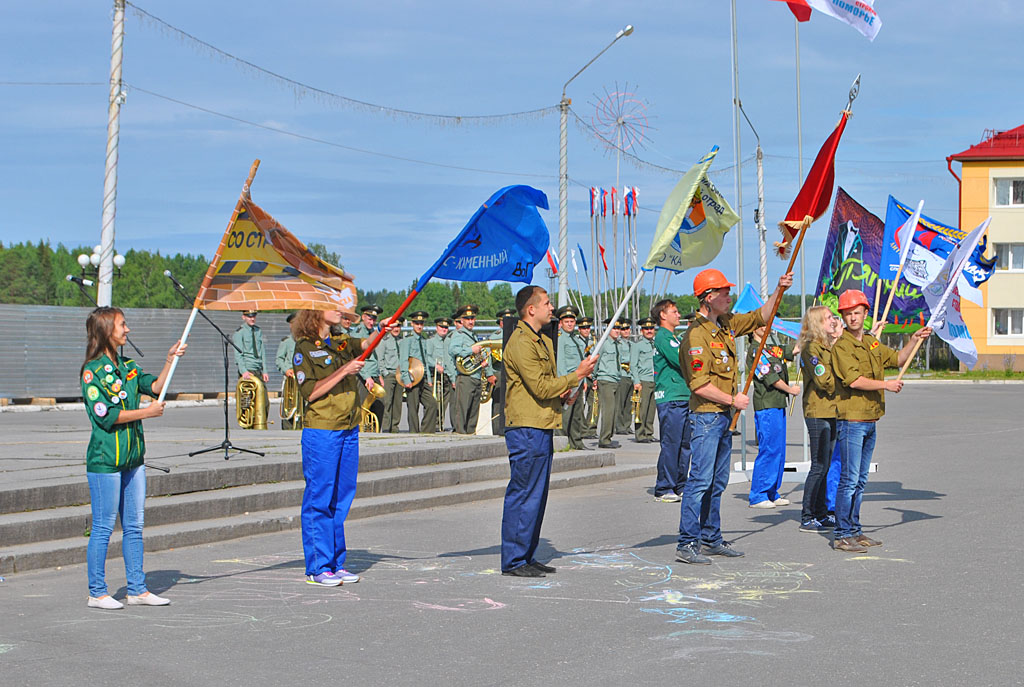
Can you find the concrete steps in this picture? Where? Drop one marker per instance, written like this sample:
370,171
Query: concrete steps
200,504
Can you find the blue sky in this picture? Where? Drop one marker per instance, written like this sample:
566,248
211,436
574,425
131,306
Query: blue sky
937,76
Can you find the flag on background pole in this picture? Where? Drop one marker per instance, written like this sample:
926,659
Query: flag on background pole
260,265
593,201
816,192
860,14
551,261
748,301
693,222
605,262
583,258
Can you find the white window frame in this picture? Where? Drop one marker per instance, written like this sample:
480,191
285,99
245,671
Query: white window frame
1012,249
1009,314
1013,181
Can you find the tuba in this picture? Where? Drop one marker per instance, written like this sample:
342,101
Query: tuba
291,401
471,364
368,422
485,393
251,403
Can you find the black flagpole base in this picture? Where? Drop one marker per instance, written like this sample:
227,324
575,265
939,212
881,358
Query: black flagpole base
226,445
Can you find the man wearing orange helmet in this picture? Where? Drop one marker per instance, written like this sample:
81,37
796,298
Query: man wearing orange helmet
858,364
707,358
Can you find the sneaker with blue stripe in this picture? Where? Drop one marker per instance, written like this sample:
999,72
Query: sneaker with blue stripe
324,579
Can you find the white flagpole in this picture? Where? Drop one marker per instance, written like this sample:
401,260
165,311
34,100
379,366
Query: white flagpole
174,362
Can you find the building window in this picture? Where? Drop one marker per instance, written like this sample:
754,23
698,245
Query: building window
1009,256
1009,192
1008,321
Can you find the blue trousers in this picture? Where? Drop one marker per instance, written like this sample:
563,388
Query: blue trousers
330,463
856,446
529,457
700,517
674,459
112,494
832,479
770,463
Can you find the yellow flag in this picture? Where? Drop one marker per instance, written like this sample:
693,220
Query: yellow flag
260,265
693,222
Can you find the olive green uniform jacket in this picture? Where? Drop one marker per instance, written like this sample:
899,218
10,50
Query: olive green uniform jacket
534,387
865,358
819,383
316,360
708,355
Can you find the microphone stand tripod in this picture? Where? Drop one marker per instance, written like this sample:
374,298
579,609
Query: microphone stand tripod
225,445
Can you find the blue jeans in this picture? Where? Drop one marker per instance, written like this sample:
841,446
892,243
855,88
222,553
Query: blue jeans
822,433
112,494
330,463
856,444
529,456
674,459
832,479
700,517
770,463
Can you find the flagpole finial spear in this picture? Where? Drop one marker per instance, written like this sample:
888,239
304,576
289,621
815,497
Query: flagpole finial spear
854,92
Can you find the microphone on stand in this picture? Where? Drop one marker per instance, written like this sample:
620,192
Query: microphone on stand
79,280
167,273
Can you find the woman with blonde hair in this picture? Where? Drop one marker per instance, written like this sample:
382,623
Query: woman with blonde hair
820,329
112,386
326,367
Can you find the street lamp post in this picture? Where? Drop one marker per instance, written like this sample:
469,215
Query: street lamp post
563,175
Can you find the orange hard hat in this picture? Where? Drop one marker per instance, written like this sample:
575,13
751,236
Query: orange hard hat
709,279
851,299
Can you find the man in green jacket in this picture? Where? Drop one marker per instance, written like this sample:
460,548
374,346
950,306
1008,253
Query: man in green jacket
533,411
672,396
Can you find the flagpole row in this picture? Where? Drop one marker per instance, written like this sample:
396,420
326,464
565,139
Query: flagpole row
804,225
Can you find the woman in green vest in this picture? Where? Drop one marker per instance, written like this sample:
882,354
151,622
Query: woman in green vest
111,387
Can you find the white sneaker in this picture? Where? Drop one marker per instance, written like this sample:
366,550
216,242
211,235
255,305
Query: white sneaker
147,599
781,501
669,498
105,602
763,504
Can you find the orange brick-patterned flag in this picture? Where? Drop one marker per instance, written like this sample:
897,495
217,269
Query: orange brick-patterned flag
260,265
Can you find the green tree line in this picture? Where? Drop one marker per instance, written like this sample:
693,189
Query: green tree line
35,274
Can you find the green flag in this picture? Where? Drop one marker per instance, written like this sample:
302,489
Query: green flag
693,222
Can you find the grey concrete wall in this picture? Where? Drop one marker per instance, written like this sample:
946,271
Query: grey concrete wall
42,348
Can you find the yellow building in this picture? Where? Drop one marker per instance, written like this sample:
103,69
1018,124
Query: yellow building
992,184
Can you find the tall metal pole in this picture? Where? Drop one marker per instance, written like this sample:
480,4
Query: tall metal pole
762,239
104,291
563,173
800,168
740,353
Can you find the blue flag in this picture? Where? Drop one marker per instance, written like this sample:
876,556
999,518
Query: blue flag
583,259
748,301
503,241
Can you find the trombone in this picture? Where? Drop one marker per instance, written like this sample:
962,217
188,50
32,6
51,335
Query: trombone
439,396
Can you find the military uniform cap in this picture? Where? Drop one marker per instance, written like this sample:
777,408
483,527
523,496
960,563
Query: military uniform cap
372,309
502,314
624,322
443,321
648,322
607,321
399,320
291,316
467,311
585,322
250,313
418,317
689,316
566,311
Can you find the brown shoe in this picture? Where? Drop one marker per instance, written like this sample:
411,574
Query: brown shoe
865,540
848,544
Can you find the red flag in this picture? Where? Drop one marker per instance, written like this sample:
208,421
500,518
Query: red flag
601,248
816,193
800,9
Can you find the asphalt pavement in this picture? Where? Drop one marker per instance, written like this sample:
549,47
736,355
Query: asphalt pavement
938,604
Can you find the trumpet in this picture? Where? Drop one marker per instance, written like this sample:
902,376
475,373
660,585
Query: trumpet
471,364
291,402
368,422
635,400
251,403
593,410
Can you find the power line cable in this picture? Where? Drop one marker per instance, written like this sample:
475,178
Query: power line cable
303,89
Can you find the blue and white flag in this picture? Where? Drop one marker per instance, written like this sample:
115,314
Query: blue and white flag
748,301
503,241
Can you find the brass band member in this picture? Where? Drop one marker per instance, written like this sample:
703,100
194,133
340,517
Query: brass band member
532,409
442,368
641,370
283,362
467,387
607,375
498,395
252,360
390,357
570,355
414,346
366,328
624,389
584,327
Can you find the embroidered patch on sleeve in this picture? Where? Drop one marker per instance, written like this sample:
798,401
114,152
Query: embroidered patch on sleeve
874,345
819,370
100,409
696,351
87,376
697,365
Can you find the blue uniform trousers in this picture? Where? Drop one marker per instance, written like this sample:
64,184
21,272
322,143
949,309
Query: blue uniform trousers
674,459
529,456
700,517
832,479
330,462
770,463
